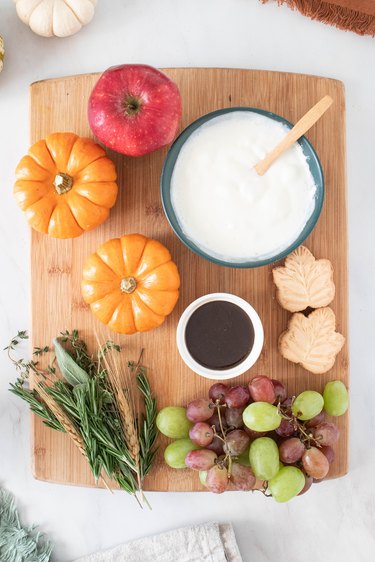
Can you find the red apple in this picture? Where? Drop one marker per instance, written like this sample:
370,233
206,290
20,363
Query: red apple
134,109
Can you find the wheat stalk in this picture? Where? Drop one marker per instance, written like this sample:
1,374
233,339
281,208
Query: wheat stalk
61,415
64,420
121,380
123,395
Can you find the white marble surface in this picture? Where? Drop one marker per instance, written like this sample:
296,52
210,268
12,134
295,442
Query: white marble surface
336,520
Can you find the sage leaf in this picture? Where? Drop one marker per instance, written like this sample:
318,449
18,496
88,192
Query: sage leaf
70,370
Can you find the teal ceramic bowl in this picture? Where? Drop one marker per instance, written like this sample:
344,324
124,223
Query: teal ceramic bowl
166,177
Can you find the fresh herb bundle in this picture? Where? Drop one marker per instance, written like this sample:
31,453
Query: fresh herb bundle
106,406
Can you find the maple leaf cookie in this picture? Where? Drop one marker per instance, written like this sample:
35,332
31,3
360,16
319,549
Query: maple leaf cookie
304,281
312,341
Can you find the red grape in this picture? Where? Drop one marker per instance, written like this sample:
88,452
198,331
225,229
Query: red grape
286,406
316,420
291,450
237,397
286,428
201,459
315,463
308,483
218,392
280,391
214,420
254,434
201,434
326,433
217,445
198,410
233,417
242,477
217,479
328,452
237,441
262,390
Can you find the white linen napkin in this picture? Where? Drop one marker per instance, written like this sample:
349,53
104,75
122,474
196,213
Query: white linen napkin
209,542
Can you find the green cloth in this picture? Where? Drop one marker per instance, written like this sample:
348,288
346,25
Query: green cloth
17,543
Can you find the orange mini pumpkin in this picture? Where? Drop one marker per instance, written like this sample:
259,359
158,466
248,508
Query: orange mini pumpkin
131,283
65,185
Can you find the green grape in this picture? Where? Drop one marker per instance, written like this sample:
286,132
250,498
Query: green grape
264,458
261,416
203,477
307,405
172,422
175,453
243,458
336,398
287,483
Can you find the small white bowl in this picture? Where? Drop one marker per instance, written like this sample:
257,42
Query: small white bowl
221,374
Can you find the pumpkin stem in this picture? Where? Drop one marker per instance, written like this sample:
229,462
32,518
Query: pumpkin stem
128,285
63,183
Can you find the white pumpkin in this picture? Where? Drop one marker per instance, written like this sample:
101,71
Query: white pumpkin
55,17
2,52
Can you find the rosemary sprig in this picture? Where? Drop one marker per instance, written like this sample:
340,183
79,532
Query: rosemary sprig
148,432
36,405
93,403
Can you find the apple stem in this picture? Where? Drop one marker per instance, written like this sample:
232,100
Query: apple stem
132,105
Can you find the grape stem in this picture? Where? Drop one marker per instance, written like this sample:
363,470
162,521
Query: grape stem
264,492
227,460
219,416
305,437
217,435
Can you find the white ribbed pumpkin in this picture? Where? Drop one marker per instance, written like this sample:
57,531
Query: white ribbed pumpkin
55,17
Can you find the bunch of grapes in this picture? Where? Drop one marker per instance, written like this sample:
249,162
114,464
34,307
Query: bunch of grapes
256,437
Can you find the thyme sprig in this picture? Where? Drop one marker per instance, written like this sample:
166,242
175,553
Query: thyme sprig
24,367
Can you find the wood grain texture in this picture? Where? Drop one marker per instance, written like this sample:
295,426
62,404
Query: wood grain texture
56,265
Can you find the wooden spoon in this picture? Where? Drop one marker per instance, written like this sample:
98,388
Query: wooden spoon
299,129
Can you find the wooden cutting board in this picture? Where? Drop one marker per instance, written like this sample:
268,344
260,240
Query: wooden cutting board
56,265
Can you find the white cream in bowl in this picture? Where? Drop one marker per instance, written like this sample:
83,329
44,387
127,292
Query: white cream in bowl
222,204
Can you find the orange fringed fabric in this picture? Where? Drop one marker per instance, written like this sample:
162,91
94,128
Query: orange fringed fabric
352,15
